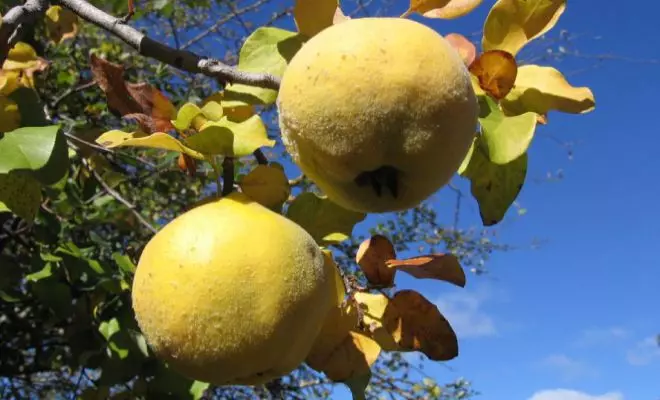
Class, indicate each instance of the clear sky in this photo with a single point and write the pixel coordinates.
(574, 319)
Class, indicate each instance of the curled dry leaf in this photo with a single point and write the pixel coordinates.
(465, 48)
(187, 164)
(453, 9)
(372, 256)
(445, 267)
(61, 23)
(496, 71)
(416, 324)
(132, 99)
(313, 16)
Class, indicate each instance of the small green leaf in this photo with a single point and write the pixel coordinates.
(158, 140)
(266, 50)
(109, 328)
(20, 193)
(198, 388)
(43, 273)
(124, 262)
(326, 221)
(230, 138)
(495, 187)
(505, 138)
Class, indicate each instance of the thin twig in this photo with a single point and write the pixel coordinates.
(261, 157)
(220, 22)
(117, 196)
(180, 59)
(15, 18)
(71, 91)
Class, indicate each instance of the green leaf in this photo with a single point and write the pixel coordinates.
(266, 50)
(55, 295)
(230, 138)
(28, 148)
(326, 221)
(158, 140)
(198, 388)
(20, 193)
(43, 273)
(504, 138)
(124, 262)
(495, 187)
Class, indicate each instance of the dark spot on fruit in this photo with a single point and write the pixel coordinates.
(489, 186)
(385, 176)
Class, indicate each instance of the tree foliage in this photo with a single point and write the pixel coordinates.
(106, 135)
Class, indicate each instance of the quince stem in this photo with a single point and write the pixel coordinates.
(227, 175)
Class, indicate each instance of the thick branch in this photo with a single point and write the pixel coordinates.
(180, 59)
(17, 16)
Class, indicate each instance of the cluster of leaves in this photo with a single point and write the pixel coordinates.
(80, 194)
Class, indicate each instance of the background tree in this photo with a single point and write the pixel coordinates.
(78, 209)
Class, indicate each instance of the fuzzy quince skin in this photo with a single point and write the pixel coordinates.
(232, 293)
(378, 112)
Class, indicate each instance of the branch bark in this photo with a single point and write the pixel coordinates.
(14, 19)
(180, 59)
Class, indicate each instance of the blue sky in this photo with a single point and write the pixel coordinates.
(574, 319)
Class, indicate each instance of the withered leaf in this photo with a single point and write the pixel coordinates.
(187, 164)
(463, 46)
(372, 256)
(416, 324)
(496, 71)
(445, 267)
(352, 358)
(133, 99)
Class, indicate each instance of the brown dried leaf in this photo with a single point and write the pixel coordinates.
(187, 164)
(465, 48)
(444, 267)
(416, 324)
(133, 99)
(352, 358)
(154, 104)
(496, 71)
(372, 256)
(339, 16)
(453, 9)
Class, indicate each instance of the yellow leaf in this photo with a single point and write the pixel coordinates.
(21, 56)
(352, 358)
(511, 24)
(373, 306)
(541, 89)
(10, 116)
(453, 9)
(312, 16)
(230, 138)
(267, 185)
(9, 81)
(234, 110)
(158, 140)
(326, 221)
(422, 6)
(61, 23)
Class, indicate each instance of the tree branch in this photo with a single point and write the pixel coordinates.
(180, 59)
(14, 19)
